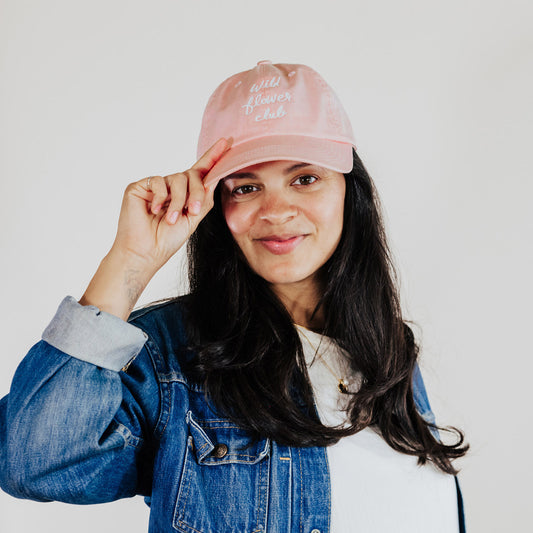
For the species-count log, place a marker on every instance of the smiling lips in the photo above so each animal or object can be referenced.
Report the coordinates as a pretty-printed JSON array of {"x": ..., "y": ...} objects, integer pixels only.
[{"x": 281, "y": 244}]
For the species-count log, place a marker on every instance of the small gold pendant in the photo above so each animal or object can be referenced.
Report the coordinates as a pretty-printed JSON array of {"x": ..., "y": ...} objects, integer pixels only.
[{"x": 342, "y": 386}]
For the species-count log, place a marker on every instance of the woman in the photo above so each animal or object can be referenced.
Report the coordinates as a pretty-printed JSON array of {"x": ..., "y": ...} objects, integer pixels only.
[{"x": 281, "y": 394}]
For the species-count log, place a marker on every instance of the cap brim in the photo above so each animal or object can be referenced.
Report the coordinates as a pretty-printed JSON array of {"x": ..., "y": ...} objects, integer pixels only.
[{"x": 329, "y": 154}]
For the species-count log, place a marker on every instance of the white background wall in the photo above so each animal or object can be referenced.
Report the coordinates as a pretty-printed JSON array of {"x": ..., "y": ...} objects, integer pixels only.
[{"x": 94, "y": 95}]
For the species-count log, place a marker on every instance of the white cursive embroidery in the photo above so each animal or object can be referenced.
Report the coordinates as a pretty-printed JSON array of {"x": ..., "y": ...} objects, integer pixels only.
[
  {"x": 262, "y": 99},
  {"x": 267, "y": 115},
  {"x": 265, "y": 84}
]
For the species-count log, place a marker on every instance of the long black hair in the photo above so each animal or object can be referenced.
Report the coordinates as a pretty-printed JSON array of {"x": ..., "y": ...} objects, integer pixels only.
[{"x": 249, "y": 357}]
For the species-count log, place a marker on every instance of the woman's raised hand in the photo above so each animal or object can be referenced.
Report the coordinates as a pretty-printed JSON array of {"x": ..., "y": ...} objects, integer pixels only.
[
  {"x": 157, "y": 217},
  {"x": 155, "y": 220}
]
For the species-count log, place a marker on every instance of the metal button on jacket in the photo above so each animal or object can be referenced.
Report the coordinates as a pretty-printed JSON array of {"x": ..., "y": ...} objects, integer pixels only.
[{"x": 220, "y": 450}]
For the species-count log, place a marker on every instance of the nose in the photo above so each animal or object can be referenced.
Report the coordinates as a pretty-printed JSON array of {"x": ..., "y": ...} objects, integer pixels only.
[{"x": 276, "y": 208}]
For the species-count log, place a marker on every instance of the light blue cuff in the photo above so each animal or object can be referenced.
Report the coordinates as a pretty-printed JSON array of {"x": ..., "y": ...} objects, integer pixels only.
[{"x": 94, "y": 336}]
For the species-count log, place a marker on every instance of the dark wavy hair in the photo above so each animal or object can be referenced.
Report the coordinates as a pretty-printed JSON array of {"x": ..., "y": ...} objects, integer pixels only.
[{"x": 249, "y": 358}]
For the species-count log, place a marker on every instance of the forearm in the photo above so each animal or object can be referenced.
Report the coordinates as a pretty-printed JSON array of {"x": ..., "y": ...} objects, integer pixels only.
[{"x": 118, "y": 284}]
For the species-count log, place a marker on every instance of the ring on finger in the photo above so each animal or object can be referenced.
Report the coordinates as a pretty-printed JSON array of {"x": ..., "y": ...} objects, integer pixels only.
[{"x": 148, "y": 183}]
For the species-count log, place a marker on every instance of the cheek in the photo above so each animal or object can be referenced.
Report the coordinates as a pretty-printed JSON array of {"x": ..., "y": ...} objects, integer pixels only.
[
  {"x": 238, "y": 218},
  {"x": 337, "y": 213},
  {"x": 329, "y": 212}
]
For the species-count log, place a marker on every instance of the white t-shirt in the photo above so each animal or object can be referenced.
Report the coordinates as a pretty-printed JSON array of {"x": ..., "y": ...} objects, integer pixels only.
[{"x": 374, "y": 488}]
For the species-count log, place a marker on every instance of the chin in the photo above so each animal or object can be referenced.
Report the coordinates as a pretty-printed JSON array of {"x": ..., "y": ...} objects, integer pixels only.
[{"x": 285, "y": 277}]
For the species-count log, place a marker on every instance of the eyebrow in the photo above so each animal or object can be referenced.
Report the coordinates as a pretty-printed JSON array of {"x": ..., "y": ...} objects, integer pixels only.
[{"x": 251, "y": 175}]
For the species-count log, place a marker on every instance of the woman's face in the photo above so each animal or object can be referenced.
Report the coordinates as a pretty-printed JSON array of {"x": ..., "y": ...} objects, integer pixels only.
[{"x": 286, "y": 217}]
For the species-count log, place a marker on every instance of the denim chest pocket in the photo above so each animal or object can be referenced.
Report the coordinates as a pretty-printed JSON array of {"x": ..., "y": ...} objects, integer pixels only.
[{"x": 224, "y": 483}]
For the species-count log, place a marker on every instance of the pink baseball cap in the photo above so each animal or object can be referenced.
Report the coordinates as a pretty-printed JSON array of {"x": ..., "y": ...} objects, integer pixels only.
[{"x": 276, "y": 112}]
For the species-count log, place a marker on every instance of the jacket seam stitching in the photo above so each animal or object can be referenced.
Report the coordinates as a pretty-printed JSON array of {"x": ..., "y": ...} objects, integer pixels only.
[
  {"x": 169, "y": 396},
  {"x": 163, "y": 416},
  {"x": 301, "y": 490}
]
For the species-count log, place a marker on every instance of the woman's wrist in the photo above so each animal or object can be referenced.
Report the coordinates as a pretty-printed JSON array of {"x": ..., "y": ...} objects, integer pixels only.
[{"x": 118, "y": 283}]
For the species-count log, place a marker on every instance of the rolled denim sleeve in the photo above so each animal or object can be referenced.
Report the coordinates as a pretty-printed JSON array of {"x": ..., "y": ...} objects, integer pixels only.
[
  {"x": 74, "y": 428},
  {"x": 94, "y": 336}
]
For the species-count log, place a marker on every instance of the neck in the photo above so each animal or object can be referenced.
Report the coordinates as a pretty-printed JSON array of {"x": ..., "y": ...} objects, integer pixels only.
[{"x": 300, "y": 300}]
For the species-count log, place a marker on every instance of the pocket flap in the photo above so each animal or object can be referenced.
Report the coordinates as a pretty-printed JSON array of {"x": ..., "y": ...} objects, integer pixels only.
[{"x": 219, "y": 441}]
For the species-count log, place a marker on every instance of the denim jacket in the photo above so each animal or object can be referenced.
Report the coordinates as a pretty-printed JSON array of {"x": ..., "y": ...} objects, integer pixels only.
[{"x": 99, "y": 410}]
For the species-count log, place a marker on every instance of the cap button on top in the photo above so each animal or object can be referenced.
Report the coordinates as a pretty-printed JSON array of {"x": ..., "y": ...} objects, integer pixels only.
[{"x": 265, "y": 62}]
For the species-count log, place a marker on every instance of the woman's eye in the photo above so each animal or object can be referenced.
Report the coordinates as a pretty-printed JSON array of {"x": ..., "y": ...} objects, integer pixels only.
[
  {"x": 244, "y": 189},
  {"x": 305, "y": 180}
]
